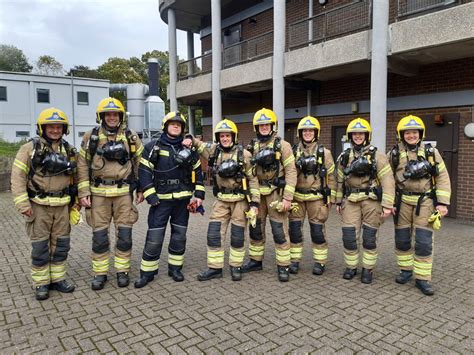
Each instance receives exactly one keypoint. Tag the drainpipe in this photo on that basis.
(378, 75)
(279, 21)
(310, 39)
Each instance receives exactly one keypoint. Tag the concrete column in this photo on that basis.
(279, 30)
(378, 75)
(216, 62)
(191, 119)
(190, 42)
(173, 70)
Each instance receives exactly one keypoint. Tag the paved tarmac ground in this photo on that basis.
(324, 314)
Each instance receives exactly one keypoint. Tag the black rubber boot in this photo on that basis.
(63, 286)
(145, 278)
(98, 282)
(236, 273)
(283, 274)
(252, 265)
(210, 274)
(318, 269)
(366, 276)
(42, 292)
(349, 273)
(425, 287)
(294, 267)
(404, 276)
(175, 273)
(122, 279)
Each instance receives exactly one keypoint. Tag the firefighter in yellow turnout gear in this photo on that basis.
(274, 165)
(107, 176)
(423, 194)
(364, 197)
(235, 188)
(44, 190)
(315, 191)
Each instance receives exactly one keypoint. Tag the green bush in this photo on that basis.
(8, 149)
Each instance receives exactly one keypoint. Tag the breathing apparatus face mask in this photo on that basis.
(417, 169)
(359, 167)
(228, 169)
(114, 151)
(266, 158)
(55, 163)
(307, 165)
(183, 157)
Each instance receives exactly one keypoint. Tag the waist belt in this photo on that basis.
(43, 194)
(422, 196)
(367, 190)
(308, 191)
(172, 182)
(97, 181)
(226, 190)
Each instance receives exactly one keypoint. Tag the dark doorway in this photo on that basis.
(443, 132)
(338, 133)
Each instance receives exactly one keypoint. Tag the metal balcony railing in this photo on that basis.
(412, 7)
(195, 66)
(349, 18)
(251, 49)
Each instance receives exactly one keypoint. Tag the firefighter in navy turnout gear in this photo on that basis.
(43, 182)
(235, 188)
(169, 174)
(107, 175)
(423, 194)
(315, 191)
(274, 165)
(364, 197)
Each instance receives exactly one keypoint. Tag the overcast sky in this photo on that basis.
(86, 32)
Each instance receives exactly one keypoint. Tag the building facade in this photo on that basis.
(380, 60)
(24, 95)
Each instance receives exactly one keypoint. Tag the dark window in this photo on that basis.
(42, 95)
(82, 98)
(3, 93)
(23, 134)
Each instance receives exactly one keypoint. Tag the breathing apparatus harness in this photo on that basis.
(45, 162)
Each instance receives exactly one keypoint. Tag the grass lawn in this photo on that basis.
(9, 149)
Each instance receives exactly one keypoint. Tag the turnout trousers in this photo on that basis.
(360, 218)
(222, 214)
(48, 229)
(317, 213)
(415, 229)
(124, 214)
(279, 226)
(176, 212)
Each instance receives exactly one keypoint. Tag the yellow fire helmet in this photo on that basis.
(359, 125)
(411, 122)
(264, 116)
(226, 126)
(174, 116)
(109, 104)
(52, 116)
(308, 122)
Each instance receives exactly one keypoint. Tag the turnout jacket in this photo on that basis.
(286, 168)
(423, 185)
(348, 185)
(308, 188)
(160, 176)
(107, 178)
(231, 189)
(26, 178)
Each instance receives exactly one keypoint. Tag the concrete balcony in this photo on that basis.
(440, 36)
